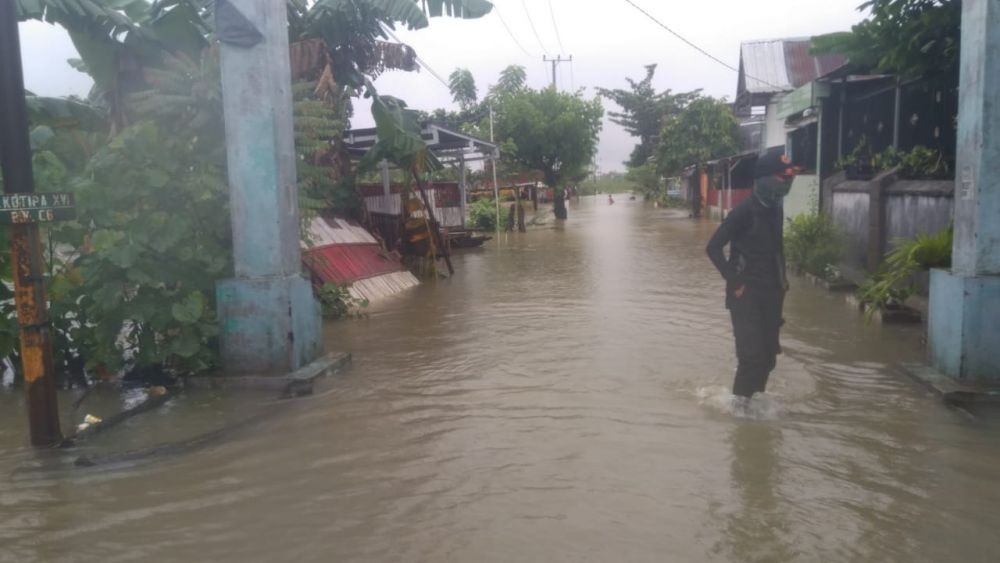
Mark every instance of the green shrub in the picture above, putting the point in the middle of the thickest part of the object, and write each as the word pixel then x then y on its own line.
pixel 338 303
pixel 813 243
pixel 483 215
pixel 893 283
pixel 919 163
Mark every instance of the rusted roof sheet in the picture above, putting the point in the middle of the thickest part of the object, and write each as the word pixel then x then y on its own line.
pixel 780 65
pixel 343 264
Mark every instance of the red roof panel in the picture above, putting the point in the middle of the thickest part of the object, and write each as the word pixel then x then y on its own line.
pixel 349 263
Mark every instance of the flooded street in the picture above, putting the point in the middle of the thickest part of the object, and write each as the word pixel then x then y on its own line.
pixel 563 398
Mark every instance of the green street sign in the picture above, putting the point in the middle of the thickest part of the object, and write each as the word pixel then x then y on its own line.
pixel 16 209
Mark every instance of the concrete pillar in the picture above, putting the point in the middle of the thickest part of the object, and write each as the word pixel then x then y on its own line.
pixel 270 320
pixel 964 317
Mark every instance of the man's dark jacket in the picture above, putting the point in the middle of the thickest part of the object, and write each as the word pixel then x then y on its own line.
pixel 756 254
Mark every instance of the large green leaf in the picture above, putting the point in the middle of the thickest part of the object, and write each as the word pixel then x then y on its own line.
pixel 190 309
pixel 468 9
pixel 399 141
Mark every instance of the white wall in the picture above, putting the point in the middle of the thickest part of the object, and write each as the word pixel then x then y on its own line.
pixel 803 197
pixel 774 128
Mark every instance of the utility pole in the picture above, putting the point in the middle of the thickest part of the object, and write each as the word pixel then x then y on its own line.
pixel 26 249
pixel 493 165
pixel 270 320
pixel 555 63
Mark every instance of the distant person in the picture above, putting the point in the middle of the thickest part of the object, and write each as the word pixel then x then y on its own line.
pixel 611 200
pixel 755 273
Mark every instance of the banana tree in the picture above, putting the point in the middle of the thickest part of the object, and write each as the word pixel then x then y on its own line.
pixel 399 142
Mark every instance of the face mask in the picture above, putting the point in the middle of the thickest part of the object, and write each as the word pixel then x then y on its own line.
pixel 771 190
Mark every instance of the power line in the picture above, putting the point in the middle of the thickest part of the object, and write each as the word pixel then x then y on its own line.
pixel 496 10
pixel 420 61
pixel 532 23
pixel 697 48
pixel 552 11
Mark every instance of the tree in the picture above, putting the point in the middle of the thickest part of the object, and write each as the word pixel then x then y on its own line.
pixel 706 129
pixel 463 88
pixel 550 132
pixel 912 38
pixel 644 111
pixel 512 79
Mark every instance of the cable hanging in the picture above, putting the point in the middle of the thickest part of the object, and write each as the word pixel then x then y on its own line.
pixel 555 26
pixel 496 10
pixel 697 48
pixel 532 24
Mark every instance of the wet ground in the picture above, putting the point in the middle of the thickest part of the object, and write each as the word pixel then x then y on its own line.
pixel 563 398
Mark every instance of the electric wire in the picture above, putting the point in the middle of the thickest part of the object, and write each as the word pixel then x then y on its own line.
pixel 496 10
pixel 697 48
pixel 420 61
pixel 555 26
pixel 532 24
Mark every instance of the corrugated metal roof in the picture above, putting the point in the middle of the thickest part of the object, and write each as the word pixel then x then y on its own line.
pixel 763 66
pixel 379 287
pixel 325 231
pixel 343 264
pixel 780 65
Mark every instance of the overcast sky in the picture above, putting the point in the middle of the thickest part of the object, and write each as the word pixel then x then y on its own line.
pixel 608 40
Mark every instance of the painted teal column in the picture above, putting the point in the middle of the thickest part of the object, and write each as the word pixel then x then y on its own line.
pixel 270 320
pixel 964 319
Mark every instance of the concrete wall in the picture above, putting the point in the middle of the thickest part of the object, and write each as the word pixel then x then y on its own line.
pixel 908 215
pixel 873 214
pixel 803 197
pixel 850 213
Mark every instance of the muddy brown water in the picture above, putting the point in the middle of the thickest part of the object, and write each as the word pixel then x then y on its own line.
pixel 563 398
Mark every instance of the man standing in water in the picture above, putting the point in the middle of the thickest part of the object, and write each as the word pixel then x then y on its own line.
pixel 755 273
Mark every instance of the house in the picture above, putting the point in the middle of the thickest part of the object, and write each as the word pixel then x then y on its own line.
pixel 384 202
pixel 770 71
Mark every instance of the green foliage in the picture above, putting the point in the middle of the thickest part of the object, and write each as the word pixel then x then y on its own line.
pixel 549 132
pixel 704 130
pixel 513 79
pixel 912 38
pixel 483 215
pixel 648 181
pixel 463 88
pixel 399 141
pixel 321 187
pixel 338 303
pixel 893 283
pixel 152 212
pixel 608 183
pixel 644 112
pixel 919 163
pixel 813 243
pixel 353 30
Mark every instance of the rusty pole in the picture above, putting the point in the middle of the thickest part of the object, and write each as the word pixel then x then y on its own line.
pixel 26 249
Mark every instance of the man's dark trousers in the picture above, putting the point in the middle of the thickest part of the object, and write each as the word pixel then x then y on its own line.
pixel 756 323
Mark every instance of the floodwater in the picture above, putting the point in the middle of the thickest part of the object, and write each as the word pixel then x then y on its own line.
pixel 563 398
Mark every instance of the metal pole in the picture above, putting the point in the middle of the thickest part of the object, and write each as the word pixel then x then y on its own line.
pixel 496 188
pixel 26 249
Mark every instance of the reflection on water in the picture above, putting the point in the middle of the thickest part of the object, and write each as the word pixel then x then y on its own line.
pixel 564 397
